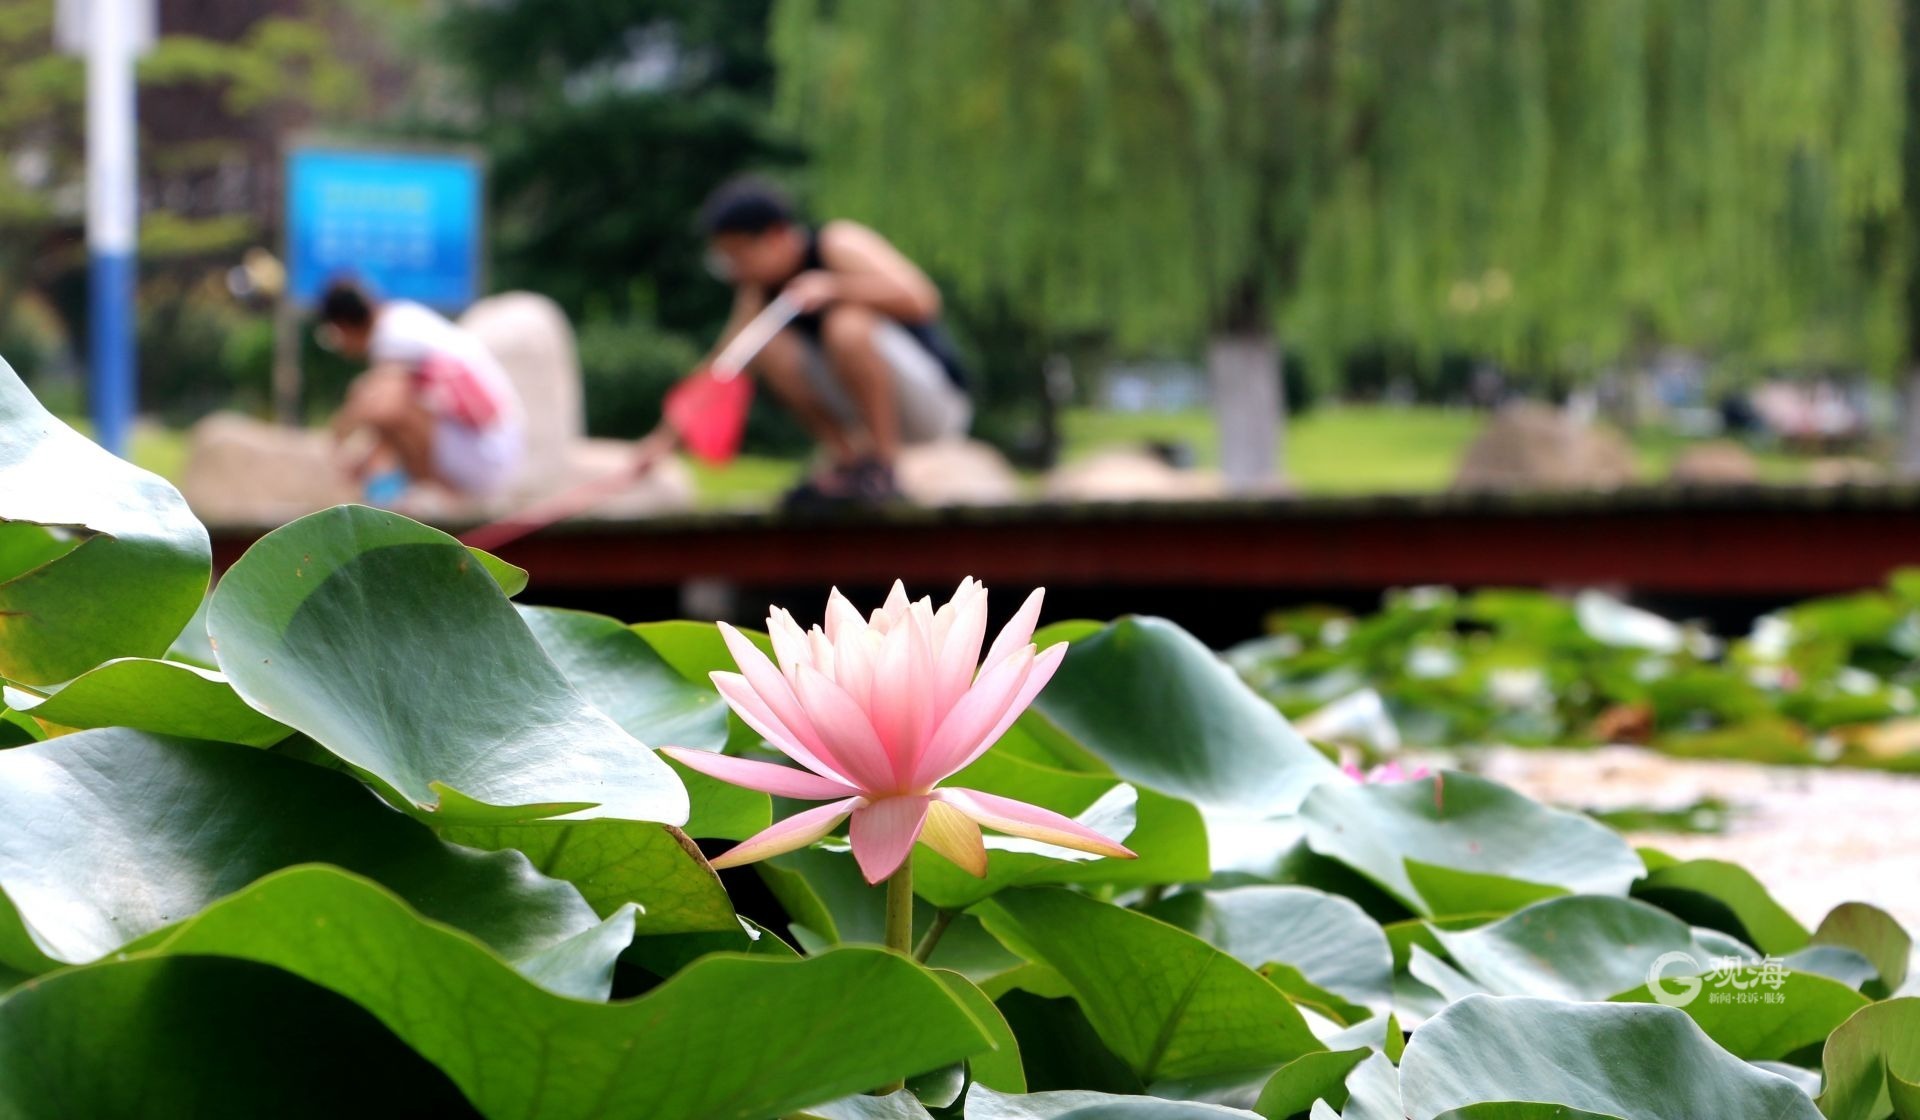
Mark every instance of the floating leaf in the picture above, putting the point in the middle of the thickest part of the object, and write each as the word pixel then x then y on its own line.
pixel 1867 1058
pixel 1161 998
pixel 112 835
pixel 1145 700
pixel 1326 940
pixel 1438 844
pixel 164 697
pixel 384 641
pixel 98 558
pixel 622 675
pixel 727 1038
pixel 1641 1061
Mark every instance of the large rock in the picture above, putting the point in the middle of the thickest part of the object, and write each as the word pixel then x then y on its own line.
pixel 1719 462
pixel 244 471
pixel 1130 476
pixel 1530 446
pixel 956 472
pixel 533 340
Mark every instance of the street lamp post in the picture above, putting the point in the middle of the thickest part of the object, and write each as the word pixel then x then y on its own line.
pixel 112 217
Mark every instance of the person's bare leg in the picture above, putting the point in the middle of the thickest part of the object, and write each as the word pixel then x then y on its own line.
pixel 382 403
pixel 847 334
pixel 782 365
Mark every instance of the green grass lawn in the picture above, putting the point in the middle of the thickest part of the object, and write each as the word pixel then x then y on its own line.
pixel 1343 449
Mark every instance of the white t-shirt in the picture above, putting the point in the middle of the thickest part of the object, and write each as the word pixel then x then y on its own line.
pixel 457 376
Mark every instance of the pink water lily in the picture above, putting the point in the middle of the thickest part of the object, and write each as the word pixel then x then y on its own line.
pixel 1385 773
pixel 878 711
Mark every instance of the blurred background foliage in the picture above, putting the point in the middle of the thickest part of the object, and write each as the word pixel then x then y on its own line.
pixel 1393 194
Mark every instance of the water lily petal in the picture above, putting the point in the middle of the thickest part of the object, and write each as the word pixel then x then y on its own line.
pixel 883 833
pixel 1017 818
pixel 957 645
pixel 843 618
pixel 796 831
pixel 901 700
pixel 955 835
pixel 767 777
pixel 894 609
pixel 1017 632
pixel 846 732
pixel 789 642
pixel 961 734
pixel 1037 677
pixel 752 708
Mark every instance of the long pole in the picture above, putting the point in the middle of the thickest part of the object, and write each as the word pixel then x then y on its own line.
pixel 112 220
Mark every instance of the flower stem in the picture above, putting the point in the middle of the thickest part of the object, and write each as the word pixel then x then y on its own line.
pixel 928 941
pixel 899 933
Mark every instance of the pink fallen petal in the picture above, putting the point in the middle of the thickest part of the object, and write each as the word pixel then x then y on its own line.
pixel 1017 818
pixel 795 832
pixel 781 781
pixel 883 833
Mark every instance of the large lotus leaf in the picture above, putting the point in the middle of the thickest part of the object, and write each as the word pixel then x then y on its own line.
pixel 1167 1002
pixel 1294 1087
pixel 1146 700
pixel 1373 1091
pixel 1641 1061
pixel 1763 1014
pixel 1460 844
pixel 17 728
pixel 900 1105
pixel 1324 939
pixel 98 558
pixel 1523 1110
pixel 1872 1057
pixel 387 643
pixel 625 677
pixel 1726 896
pixel 727 1038
pixel 614 863
pixel 1577 947
pixel 207 1038
pixel 985 1104
pixel 1871 932
pixel 164 697
pixel 1167 834
pixel 111 835
pixel 998 1068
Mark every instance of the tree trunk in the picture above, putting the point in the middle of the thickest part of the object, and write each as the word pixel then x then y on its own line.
pixel 1908 464
pixel 1249 408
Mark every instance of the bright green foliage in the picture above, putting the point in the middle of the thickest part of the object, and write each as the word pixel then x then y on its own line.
pixel 1331 955
pixel 1557 184
pixel 1167 1002
pixel 1642 1061
pixel 164 697
pixel 98 559
pixel 387 643
pixel 1872 1062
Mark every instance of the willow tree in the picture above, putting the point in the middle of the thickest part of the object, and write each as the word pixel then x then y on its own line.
pixel 1554 183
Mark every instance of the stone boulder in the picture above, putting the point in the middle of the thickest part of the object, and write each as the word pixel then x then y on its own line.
pixel 1846 472
pixel 1531 446
pixel 531 337
pixel 1719 462
pixel 245 471
pixel 956 472
pixel 1130 476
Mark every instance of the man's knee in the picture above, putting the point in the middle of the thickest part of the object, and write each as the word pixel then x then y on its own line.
pixel 379 398
pixel 847 327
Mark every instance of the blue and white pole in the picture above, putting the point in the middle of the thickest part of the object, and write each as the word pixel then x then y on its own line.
pixel 112 219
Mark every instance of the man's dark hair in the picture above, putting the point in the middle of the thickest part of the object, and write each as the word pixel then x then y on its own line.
pixel 745 205
pixel 346 304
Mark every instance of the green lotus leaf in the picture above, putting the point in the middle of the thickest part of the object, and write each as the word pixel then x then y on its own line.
pixel 1726 896
pixel 385 642
pixel 985 1104
pixel 1509 849
pixel 1641 1061
pixel 1145 700
pixel 113 835
pixel 164 697
pixel 98 558
pixel 1167 1002
pixel 205 1037
pixel 1871 932
pixel 622 675
pixel 1872 1061
pixel 727 1038
pixel 614 863
pixel 1326 941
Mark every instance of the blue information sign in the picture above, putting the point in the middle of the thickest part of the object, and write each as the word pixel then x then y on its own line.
pixel 405 223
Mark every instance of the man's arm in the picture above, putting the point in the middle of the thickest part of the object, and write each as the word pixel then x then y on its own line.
pixel 864 268
pixel 746 304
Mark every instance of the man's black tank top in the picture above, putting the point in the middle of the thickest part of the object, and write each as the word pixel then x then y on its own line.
pixel 929 334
